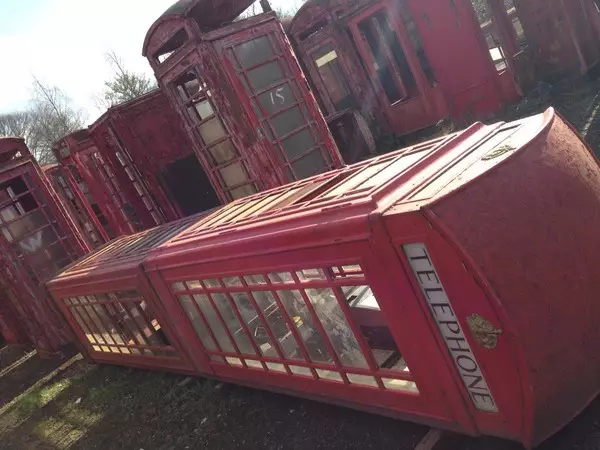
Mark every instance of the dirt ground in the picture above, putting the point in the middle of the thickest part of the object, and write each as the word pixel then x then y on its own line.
pixel 71 404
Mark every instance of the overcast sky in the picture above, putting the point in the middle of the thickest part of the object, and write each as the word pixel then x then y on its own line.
pixel 63 42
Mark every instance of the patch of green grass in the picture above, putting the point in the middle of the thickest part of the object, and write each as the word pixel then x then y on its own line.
pixel 42 396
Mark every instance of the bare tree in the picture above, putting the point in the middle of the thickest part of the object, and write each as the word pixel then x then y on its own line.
pixel 53 117
pixel 20 124
pixel 286 12
pixel 16 124
pixel 483 11
pixel 49 117
pixel 125 85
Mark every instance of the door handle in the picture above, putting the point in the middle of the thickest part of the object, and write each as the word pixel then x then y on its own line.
pixel 483 331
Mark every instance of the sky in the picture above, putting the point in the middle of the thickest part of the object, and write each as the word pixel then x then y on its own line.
pixel 64 42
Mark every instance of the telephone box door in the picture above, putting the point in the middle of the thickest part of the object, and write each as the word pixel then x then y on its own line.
pixel 270 84
pixel 391 49
pixel 326 321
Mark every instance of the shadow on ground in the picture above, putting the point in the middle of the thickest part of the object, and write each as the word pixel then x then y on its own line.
pixel 104 407
pixel 19 370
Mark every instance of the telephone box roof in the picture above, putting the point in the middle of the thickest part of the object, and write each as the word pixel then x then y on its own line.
pixel 402 181
pixel 72 139
pixel 123 253
pixel 208 14
pixel 325 7
pixel 116 109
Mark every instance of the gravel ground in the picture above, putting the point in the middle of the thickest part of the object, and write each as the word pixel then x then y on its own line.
pixel 104 407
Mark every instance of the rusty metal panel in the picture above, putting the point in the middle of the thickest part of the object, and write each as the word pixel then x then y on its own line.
pixel 38 239
pixel 82 207
pixel 389 59
pixel 150 153
pixel 78 154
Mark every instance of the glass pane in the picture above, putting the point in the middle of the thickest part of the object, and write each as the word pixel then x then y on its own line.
pixel 298 312
pixel 299 144
pixel 83 326
pixel 243 191
pixel 234 174
pixel 329 375
pixel 204 109
pixel 223 152
pixel 310 275
pixel 265 75
pixel 234 361
pixel 148 329
pixel 196 320
pixel 255 51
pixel 311 164
pixel 38 240
pixel 215 324
pixel 24 225
pixel 192 87
pixel 211 283
pixel 288 121
pixel 276 367
pixel 212 131
pixel 364 380
pixel 193 284
pixel 337 328
pixel 276 99
pixel 106 319
pixel 232 282
pixel 129 173
pixel 58 255
pixel 9 213
pixel 298 370
pixel 255 326
pixel 370 29
pixel 278 325
pixel 254 364
pixel 400 385
pixel 361 297
pixel 351 271
pixel 333 77
pixel 178 286
pixel 367 315
pixel 233 324
pixel 281 277
pixel 393 43
pixel 255 279
pixel 90 325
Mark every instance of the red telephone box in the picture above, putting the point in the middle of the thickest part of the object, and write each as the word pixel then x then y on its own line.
pixel 114 311
pixel 444 284
pixel 241 94
pixel 404 64
pixel 93 173
pixel 153 159
pixel 38 240
pixel 563 35
pixel 81 206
